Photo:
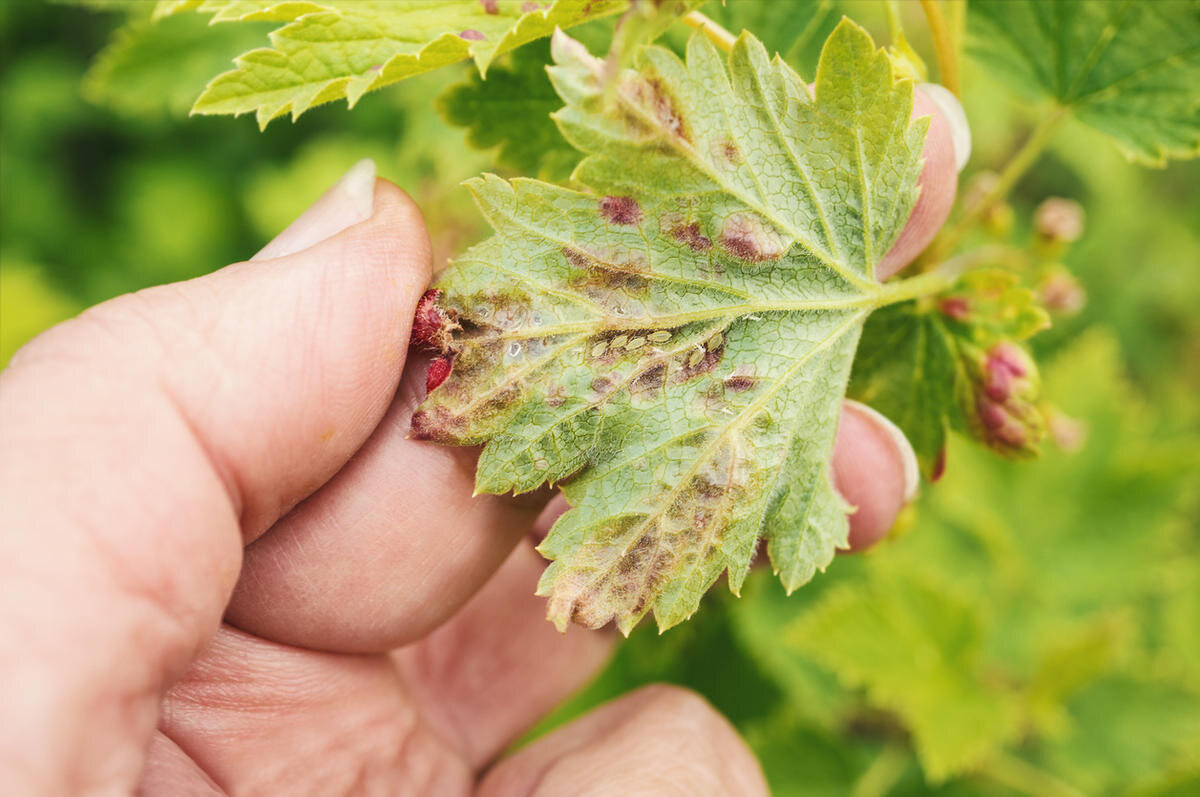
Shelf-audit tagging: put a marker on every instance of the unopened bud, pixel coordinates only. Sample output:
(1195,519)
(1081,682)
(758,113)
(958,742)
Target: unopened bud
(956,307)
(1001,409)
(1068,433)
(1059,220)
(1006,372)
(1061,293)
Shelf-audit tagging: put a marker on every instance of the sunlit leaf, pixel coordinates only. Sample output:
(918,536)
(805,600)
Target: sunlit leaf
(674,346)
(1127,67)
(341,49)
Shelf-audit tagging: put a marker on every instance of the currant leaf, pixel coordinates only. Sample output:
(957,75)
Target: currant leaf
(916,646)
(148,68)
(335,49)
(511,112)
(1125,67)
(673,346)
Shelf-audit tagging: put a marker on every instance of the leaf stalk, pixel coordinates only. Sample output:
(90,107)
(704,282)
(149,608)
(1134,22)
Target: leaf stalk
(943,42)
(1024,777)
(715,33)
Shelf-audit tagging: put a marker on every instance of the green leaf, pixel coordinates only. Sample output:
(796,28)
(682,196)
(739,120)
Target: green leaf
(795,29)
(916,647)
(1127,730)
(926,367)
(334,49)
(1126,67)
(148,67)
(1067,572)
(674,346)
(511,111)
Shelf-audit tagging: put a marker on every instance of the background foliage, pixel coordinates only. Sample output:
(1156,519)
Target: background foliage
(1030,628)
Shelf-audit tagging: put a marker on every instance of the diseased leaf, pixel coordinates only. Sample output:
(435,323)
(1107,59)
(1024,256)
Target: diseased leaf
(1126,67)
(334,49)
(674,346)
(950,366)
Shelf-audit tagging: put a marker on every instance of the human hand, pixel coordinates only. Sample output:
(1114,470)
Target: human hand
(227,568)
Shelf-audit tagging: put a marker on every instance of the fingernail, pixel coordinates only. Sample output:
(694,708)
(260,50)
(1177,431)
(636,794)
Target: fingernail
(904,449)
(956,117)
(349,201)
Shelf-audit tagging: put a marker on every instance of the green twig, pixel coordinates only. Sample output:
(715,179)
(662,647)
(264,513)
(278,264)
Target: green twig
(895,26)
(943,42)
(1012,172)
(956,19)
(883,774)
(715,33)
(1024,777)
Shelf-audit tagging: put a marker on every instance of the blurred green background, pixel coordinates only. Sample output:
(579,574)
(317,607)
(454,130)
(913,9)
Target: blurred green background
(1029,628)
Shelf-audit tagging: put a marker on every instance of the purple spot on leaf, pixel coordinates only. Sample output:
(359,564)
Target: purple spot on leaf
(472,35)
(690,235)
(490,6)
(620,210)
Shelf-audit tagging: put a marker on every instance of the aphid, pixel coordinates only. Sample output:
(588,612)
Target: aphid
(636,343)
(715,341)
(695,357)
(599,348)
(660,336)
(619,341)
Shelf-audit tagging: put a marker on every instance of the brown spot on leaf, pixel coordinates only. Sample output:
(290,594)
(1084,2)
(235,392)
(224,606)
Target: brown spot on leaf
(748,237)
(436,424)
(602,273)
(620,210)
(650,380)
(691,236)
(556,395)
(656,101)
(741,379)
(601,384)
(490,6)
(696,361)
(726,152)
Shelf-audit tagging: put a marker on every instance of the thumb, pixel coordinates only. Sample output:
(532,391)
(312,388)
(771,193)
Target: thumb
(144,441)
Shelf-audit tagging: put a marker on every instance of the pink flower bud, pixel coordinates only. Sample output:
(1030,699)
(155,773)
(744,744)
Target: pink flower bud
(1001,410)
(1059,220)
(1062,294)
(956,307)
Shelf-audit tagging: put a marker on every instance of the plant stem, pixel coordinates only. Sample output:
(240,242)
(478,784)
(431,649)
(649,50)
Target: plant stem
(956,19)
(715,33)
(943,42)
(1025,777)
(1012,172)
(895,27)
(883,773)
